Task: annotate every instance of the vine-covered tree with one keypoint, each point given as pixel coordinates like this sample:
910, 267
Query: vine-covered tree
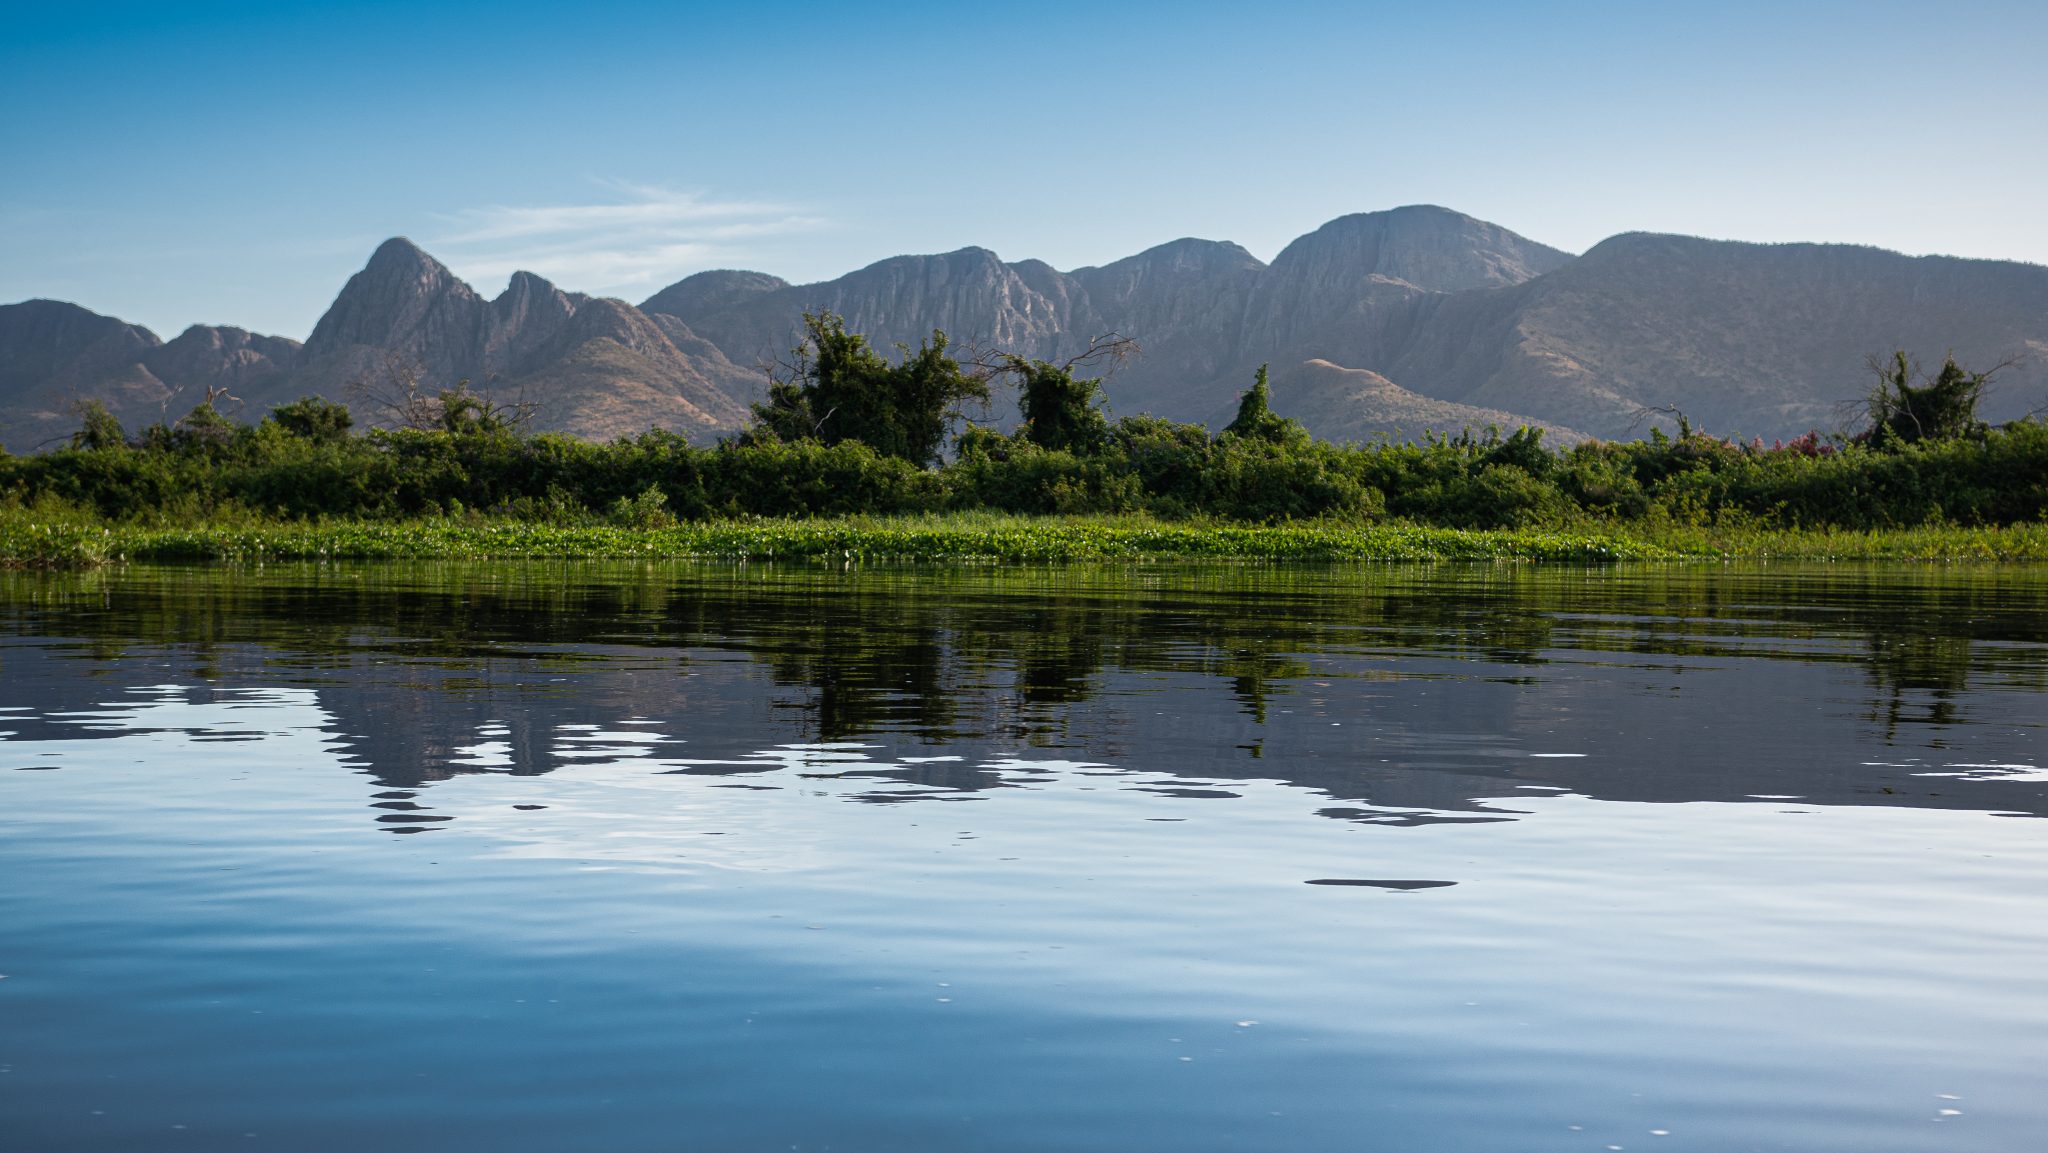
1060, 411
840, 388
1940, 407
1256, 419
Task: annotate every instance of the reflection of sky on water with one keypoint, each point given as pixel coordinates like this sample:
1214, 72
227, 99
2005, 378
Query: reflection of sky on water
1833, 969
1188, 895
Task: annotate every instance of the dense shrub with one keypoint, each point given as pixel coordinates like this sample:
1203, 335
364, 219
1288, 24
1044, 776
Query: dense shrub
306, 462
1060, 411
1015, 474
842, 390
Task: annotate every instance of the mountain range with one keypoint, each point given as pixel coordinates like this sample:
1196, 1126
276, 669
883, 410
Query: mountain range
1380, 323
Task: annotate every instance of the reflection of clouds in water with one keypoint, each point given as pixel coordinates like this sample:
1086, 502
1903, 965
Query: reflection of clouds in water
571, 742
494, 753
215, 714
1965, 771
485, 757
804, 759
580, 742
1611, 927
678, 815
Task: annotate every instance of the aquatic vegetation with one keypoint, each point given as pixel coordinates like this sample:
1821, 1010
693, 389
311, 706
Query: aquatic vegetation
26, 539
43, 537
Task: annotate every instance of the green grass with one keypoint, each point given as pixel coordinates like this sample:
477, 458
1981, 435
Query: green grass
68, 540
2019, 542
26, 540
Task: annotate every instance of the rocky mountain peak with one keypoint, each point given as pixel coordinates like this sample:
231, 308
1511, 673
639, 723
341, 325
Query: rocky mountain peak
1334, 292
1188, 254
526, 317
529, 297
401, 255
403, 301
528, 285
603, 317
206, 355
959, 265
705, 292
228, 338
1432, 248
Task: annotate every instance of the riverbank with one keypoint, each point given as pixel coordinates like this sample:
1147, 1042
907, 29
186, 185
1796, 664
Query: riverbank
31, 541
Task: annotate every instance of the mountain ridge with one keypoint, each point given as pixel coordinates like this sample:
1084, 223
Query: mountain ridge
1450, 318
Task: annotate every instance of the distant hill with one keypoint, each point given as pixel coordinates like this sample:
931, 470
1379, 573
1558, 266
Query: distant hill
1379, 323
707, 292
1356, 404
1751, 339
53, 355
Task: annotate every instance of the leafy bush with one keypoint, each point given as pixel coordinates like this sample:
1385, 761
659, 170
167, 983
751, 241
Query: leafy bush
1016, 475
313, 418
305, 462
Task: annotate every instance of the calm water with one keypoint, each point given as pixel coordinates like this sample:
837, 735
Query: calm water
531, 857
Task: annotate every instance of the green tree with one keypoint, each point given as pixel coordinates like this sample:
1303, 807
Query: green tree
1523, 449
1256, 419
314, 418
97, 427
841, 389
205, 425
1060, 412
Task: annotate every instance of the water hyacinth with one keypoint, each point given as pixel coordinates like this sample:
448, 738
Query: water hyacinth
30, 540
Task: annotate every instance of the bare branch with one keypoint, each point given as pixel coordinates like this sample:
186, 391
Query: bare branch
1645, 412
216, 394
392, 394
397, 397
1111, 349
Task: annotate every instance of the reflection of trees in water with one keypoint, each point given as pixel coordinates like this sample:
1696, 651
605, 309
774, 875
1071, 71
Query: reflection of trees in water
1922, 673
893, 650
857, 684
414, 660
1917, 679
1925, 638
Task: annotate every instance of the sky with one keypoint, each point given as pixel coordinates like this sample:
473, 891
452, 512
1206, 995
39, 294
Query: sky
234, 163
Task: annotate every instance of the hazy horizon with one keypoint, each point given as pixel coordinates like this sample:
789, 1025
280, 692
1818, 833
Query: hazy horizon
234, 165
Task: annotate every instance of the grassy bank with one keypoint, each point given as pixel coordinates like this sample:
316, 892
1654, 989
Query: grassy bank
28, 539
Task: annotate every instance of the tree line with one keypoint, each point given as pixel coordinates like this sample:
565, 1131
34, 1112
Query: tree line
849, 430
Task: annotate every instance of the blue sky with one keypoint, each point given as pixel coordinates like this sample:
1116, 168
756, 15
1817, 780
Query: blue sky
234, 162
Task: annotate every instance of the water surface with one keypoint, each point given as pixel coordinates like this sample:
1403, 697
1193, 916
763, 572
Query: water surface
563, 857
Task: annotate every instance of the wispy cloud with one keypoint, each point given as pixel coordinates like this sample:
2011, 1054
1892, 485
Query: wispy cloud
632, 238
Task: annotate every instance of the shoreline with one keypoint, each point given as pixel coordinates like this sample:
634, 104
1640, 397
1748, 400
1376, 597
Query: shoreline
29, 541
